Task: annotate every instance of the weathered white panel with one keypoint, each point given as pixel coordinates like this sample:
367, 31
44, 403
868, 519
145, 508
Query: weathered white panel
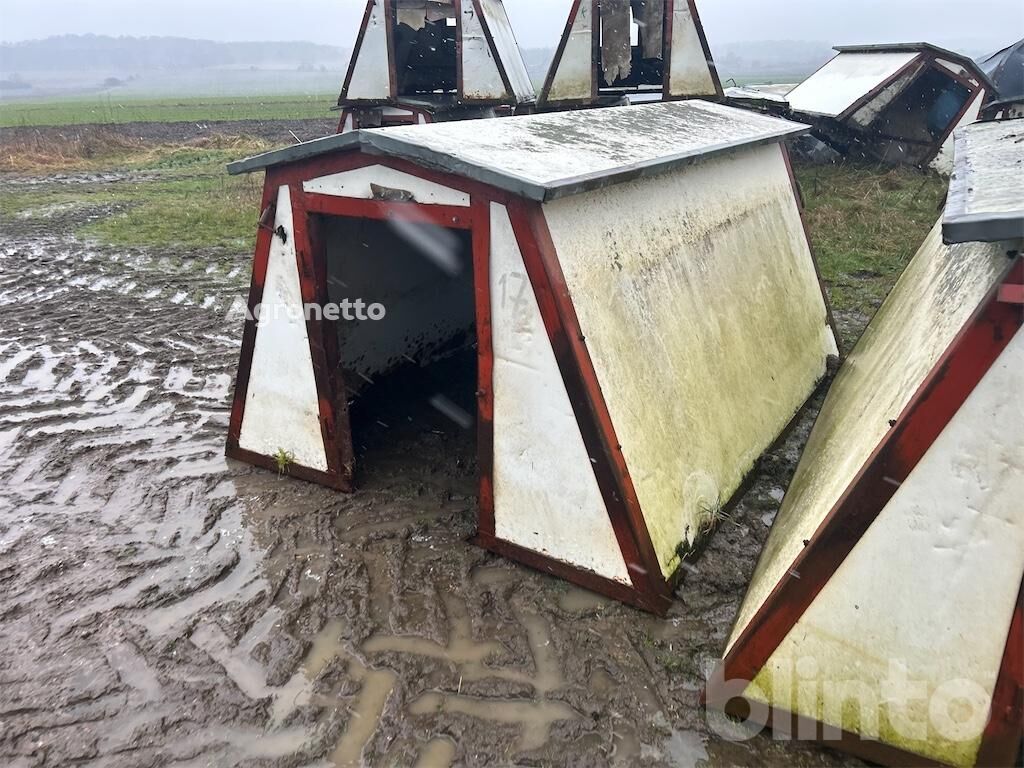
937, 294
699, 301
943, 162
356, 183
843, 81
349, 124
371, 78
508, 49
956, 69
691, 73
282, 408
481, 78
574, 77
931, 587
545, 494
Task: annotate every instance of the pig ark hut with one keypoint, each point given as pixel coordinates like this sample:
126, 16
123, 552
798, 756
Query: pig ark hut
638, 285
421, 61
597, 62
884, 615
896, 103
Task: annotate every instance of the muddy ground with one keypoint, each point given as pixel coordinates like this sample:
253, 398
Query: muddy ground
160, 605
279, 131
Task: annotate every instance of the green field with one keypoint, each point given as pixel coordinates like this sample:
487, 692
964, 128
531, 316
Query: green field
111, 110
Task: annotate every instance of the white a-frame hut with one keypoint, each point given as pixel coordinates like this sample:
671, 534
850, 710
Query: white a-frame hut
421, 61
884, 616
636, 284
642, 49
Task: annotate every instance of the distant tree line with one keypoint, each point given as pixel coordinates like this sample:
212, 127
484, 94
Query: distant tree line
132, 54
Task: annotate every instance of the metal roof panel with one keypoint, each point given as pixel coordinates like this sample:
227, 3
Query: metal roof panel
986, 192
552, 155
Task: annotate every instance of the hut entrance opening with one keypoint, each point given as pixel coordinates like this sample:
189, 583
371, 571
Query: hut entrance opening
407, 340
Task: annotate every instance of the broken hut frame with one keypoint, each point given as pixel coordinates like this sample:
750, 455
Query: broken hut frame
890, 587
896, 103
424, 61
647, 315
599, 63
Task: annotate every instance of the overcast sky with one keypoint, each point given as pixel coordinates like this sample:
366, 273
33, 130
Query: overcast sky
538, 23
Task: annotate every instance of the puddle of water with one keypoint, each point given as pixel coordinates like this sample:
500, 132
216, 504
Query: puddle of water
577, 600
535, 718
365, 715
439, 753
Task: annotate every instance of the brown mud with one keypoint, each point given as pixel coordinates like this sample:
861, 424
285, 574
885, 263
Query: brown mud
160, 605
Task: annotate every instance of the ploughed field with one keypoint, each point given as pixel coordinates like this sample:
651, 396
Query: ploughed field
160, 605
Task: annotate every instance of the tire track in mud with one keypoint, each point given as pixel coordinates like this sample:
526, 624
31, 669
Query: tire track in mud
162, 606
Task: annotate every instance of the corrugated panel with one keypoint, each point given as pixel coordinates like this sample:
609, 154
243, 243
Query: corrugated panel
986, 193
845, 80
508, 50
546, 156
940, 290
698, 298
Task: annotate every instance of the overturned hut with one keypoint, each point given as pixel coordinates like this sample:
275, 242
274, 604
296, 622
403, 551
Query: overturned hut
884, 616
636, 288
892, 103
1005, 69
613, 50
422, 61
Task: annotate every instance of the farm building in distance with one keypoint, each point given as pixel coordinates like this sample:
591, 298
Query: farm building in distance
637, 284
421, 61
901, 538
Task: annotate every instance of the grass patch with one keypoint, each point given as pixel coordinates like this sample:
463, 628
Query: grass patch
866, 224
113, 111
172, 195
202, 212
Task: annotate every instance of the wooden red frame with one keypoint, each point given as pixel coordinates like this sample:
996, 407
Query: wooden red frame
970, 356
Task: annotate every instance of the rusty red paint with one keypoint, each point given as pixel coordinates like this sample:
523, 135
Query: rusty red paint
453, 217
485, 363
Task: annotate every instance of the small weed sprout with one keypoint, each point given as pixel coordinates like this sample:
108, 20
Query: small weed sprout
284, 459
